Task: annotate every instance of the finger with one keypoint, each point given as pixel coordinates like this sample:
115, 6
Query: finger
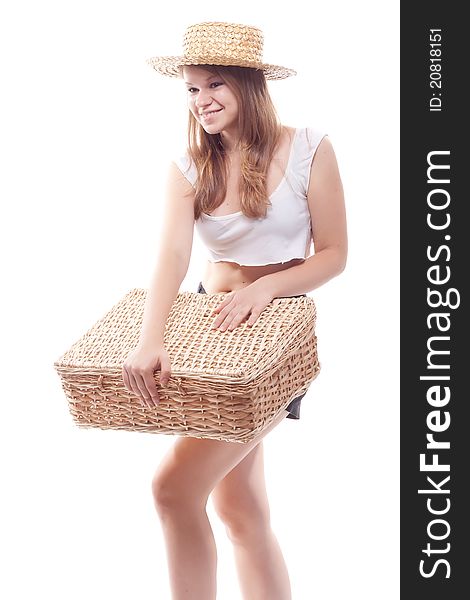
228, 298
236, 321
165, 370
146, 395
224, 313
125, 378
151, 398
137, 391
220, 319
150, 387
133, 387
233, 314
219, 307
255, 313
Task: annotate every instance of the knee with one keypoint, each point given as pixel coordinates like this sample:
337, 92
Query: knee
167, 494
173, 494
244, 518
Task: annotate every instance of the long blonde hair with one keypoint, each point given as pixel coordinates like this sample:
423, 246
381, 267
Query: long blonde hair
260, 131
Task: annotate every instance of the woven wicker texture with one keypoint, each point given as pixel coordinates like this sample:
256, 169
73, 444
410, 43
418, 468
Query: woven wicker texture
220, 44
225, 385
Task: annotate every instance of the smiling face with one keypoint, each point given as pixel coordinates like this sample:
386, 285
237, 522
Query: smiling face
211, 101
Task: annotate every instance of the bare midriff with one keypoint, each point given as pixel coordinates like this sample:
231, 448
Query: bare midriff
229, 276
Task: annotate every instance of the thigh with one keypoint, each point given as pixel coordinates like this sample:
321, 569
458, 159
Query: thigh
195, 466
242, 492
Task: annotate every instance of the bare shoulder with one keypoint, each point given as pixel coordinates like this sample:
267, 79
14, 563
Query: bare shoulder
176, 181
325, 198
324, 166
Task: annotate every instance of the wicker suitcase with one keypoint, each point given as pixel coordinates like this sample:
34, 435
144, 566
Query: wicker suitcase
224, 385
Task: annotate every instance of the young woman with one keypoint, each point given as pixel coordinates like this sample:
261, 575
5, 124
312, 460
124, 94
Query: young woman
259, 193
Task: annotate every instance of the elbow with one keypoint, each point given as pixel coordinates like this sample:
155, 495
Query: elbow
343, 259
340, 261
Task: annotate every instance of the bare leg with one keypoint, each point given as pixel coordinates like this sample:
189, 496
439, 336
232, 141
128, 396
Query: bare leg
241, 501
181, 486
191, 551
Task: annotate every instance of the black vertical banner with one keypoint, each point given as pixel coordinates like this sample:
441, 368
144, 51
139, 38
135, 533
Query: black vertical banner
435, 268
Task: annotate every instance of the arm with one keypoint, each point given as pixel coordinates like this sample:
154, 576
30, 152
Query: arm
176, 238
328, 215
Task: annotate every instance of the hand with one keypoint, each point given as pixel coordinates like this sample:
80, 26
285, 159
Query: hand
240, 305
138, 372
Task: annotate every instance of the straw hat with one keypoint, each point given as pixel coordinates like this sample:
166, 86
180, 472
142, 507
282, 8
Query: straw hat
220, 44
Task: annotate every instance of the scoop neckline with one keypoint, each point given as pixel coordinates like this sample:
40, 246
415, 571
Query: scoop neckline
283, 179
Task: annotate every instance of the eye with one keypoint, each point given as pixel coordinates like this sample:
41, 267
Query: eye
214, 84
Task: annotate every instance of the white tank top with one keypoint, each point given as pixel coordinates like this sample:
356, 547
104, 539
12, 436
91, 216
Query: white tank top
286, 231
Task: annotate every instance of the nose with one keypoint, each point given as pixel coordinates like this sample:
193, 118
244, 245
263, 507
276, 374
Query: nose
203, 99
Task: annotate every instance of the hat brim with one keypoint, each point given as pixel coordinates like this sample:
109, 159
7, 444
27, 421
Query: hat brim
170, 65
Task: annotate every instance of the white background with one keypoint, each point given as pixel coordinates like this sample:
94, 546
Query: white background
87, 130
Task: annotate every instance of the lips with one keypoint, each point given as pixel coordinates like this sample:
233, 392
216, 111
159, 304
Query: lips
209, 113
